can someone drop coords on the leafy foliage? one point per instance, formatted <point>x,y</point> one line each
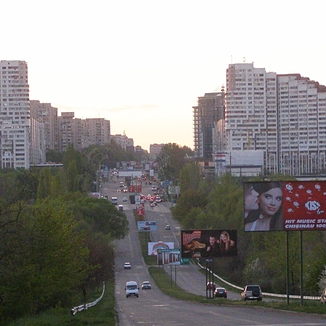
<point>171,159</point>
<point>54,243</point>
<point>48,262</point>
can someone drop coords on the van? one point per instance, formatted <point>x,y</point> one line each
<point>114,200</point>
<point>132,289</point>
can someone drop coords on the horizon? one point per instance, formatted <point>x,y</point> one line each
<point>142,65</point>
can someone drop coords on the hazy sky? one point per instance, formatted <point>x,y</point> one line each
<point>142,64</point>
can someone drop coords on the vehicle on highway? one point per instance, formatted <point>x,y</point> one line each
<point>132,289</point>
<point>167,227</point>
<point>220,293</point>
<point>120,208</point>
<point>127,265</point>
<point>153,204</point>
<point>146,285</point>
<point>114,200</point>
<point>124,199</point>
<point>323,297</point>
<point>252,292</point>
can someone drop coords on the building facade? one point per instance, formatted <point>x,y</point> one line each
<point>209,110</point>
<point>14,115</point>
<point>282,115</point>
<point>48,115</point>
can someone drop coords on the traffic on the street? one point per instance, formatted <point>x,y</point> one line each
<point>152,307</point>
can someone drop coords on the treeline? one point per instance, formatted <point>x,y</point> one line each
<point>56,243</point>
<point>219,204</point>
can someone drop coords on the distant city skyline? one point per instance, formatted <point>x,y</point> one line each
<point>142,65</point>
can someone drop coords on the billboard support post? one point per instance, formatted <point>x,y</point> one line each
<point>209,279</point>
<point>287,269</point>
<point>175,274</point>
<point>301,270</point>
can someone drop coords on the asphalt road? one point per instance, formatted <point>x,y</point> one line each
<point>155,308</point>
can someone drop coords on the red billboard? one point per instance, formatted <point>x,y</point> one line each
<point>285,205</point>
<point>208,243</point>
<point>140,209</point>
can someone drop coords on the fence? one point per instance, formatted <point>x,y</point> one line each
<point>82,307</point>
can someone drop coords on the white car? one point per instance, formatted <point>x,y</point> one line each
<point>127,265</point>
<point>146,285</point>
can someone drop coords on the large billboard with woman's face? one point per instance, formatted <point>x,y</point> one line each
<point>285,205</point>
<point>208,243</point>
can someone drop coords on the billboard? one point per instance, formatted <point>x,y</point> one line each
<point>153,247</point>
<point>168,256</point>
<point>147,226</point>
<point>140,209</point>
<point>285,206</point>
<point>208,243</point>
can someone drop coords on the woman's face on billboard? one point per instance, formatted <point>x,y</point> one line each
<point>270,201</point>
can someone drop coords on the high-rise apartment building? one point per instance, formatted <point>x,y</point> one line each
<point>14,115</point>
<point>48,115</point>
<point>65,130</point>
<point>209,110</point>
<point>283,115</point>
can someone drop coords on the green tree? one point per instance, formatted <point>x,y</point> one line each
<point>190,199</point>
<point>190,177</point>
<point>100,214</point>
<point>48,265</point>
<point>172,158</point>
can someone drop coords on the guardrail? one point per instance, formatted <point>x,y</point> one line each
<point>82,307</point>
<point>292,296</point>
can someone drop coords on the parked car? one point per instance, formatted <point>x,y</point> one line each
<point>323,297</point>
<point>146,285</point>
<point>120,207</point>
<point>220,293</point>
<point>124,199</point>
<point>252,292</point>
<point>127,265</point>
<point>167,227</point>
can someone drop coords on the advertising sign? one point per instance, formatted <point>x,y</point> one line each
<point>147,226</point>
<point>208,243</point>
<point>154,246</point>
<point>286,205</point>
<point>168,256</point>
<point>135,188</point>
<point>94,194</point>
<point>140,210</point>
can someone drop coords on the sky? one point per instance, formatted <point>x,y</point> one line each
<point>142,64</point>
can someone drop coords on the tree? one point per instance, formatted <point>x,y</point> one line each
<point>190,177</point>
<point>190,199</point>
<point>48,265</point>
<point>171,159</point>
<point>100,214</point>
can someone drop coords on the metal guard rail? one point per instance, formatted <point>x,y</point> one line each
<point>264,293</point>
<point>82,307</point>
